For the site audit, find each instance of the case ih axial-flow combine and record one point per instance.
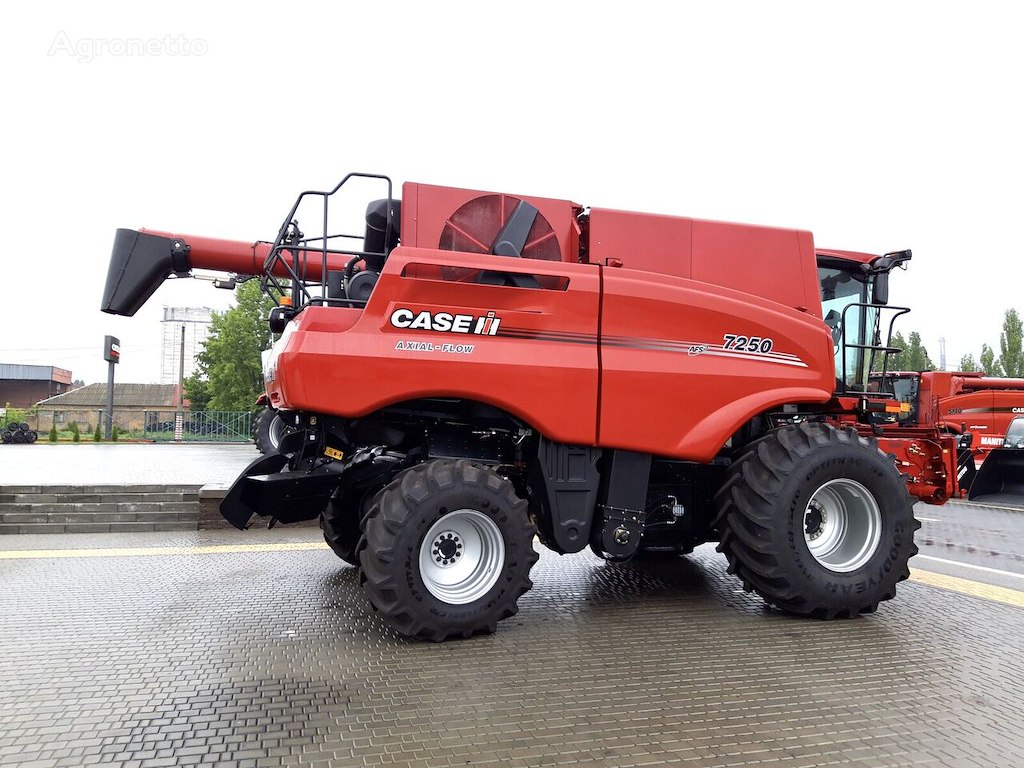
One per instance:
(482, 368)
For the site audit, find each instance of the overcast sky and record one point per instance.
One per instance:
(877, 125)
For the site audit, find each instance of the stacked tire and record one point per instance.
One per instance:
(18, 434)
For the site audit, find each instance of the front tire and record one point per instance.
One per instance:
(817, 521)
(447, 551)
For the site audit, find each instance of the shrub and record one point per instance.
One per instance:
(53, 433)
(97, 436)
(76, 436)
(114, 434)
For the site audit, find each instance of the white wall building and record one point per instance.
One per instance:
(196, 324)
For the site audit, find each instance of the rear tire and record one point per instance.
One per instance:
(340, 523)
(817, 521)
(268, 431)
(447, 551)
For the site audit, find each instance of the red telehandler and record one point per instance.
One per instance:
(477, 369)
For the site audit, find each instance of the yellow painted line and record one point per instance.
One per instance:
(42, 554)
(966, 587)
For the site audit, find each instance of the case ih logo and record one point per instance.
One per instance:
(445, 322)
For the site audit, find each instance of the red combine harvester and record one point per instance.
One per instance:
(481, 368)
(977, 407)
(962, 402)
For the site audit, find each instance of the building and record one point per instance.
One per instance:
(21, 386)
(194, 322)
(134, 405)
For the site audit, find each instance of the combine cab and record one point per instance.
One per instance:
(476, 368)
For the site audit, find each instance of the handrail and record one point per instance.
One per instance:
(291, 249)
(885, 349)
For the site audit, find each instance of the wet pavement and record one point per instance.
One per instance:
(258, 649)
(973, 540)
(99, 464)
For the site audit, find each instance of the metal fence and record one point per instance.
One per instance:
(205, 426)
(140, 424)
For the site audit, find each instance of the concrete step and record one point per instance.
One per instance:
(98, 508)
(7, 529)
(8, 492)
(92, 497)
(74, 507)
(65, 515)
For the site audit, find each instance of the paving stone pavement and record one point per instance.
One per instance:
(974, 533)
(273, 658)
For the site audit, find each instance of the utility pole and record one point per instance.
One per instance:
(179, 417)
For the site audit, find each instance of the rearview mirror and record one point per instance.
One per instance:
(880, 291)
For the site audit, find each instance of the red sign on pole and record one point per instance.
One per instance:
(111, 349)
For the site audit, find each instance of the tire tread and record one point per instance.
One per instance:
(396, 506)
(749, 503)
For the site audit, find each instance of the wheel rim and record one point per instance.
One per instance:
(461, 557)
(842, 525)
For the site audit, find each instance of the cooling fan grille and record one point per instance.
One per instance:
(474, 227)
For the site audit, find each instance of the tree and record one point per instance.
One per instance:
(917, 355)
(912, 356)
(898, 357)
(988, 361)
(1011, 354)
(894, 360)
(230, 364)
(967, 363)
(197, 390)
